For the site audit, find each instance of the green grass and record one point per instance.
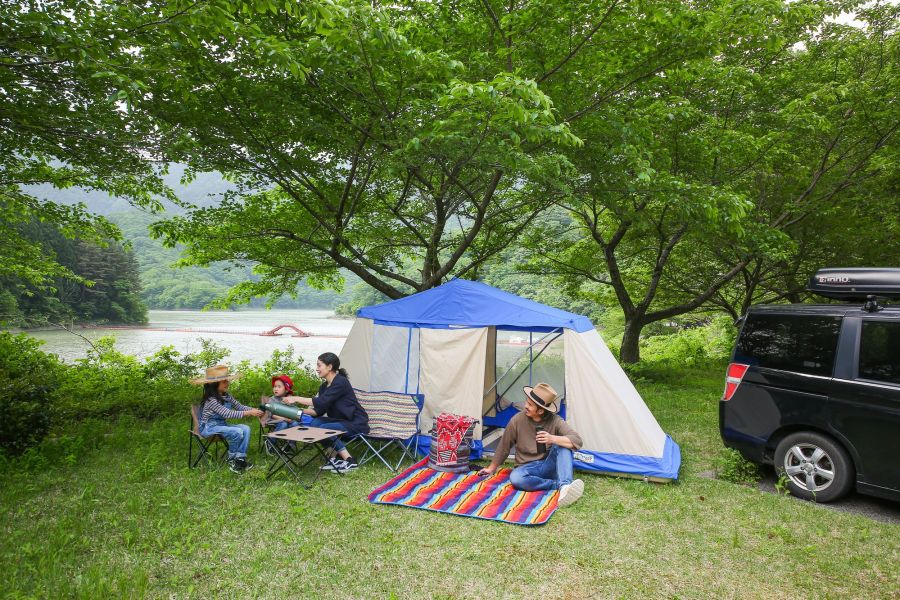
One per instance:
(119, 515)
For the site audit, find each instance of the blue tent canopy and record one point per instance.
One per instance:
(463, 303)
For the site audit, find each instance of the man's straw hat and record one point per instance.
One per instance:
(543, 395)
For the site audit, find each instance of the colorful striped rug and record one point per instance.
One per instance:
(467, 495)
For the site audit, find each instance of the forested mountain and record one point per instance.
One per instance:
(105, 289)
(205, 190)
(165, 286)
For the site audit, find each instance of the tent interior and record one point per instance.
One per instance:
(470, 348)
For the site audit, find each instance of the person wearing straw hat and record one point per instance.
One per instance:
(544, 443)
(218, 405)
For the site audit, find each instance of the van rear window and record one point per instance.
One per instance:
(879, 351)
(802, 343)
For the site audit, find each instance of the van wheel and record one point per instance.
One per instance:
(816, 467)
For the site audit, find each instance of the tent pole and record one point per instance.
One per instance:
(530, 359)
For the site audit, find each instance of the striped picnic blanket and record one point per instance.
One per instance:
(467, 495)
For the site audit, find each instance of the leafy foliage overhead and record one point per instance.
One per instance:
(64, 122)
(357, 142)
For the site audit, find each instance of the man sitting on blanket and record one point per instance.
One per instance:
(544, 444)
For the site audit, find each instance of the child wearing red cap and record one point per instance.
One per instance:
(282, 386)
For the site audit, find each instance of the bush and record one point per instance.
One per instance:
(256, 380)
(104, 384)
(169, 364)
(27, 378)
(692, 347)
(108, 383)
(37, 391)
(732, 466)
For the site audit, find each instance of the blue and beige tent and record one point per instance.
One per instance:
(466, 346)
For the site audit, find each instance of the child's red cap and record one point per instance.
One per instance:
(288, 383)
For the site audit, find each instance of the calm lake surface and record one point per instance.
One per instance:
(236, 330)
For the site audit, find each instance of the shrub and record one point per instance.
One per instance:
(27, 376)
(692, 347)
(108, 383)
(169, 363)
(256, 380)
(37, 391)
(732, 466)
(105, 383)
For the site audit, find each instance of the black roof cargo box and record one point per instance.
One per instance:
(856, 283)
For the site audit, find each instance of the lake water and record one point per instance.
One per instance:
(236, 330)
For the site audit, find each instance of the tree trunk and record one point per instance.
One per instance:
(630, 351)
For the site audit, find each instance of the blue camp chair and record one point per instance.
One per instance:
(393, 422)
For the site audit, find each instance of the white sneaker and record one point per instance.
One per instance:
(340, 466)
(570, 492)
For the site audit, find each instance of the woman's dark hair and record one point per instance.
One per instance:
(331, 359)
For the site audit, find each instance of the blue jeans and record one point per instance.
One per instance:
(551, 473)
(338, 445)
(237, 436)
(286, 424)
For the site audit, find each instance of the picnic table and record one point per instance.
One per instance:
(309, 445)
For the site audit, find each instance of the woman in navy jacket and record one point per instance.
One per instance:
(335, 407)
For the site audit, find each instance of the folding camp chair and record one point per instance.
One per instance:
(393, 422)
(266, 427)
(213, 448)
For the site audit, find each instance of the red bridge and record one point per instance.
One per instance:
(298, 332)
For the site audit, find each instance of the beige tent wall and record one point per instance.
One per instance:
(602, 403)
(452, 372)
(389, 349)
(412, 381)
(356, 355)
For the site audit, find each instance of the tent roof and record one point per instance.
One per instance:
(463, 303)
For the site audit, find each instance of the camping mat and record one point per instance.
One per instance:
(467, 495)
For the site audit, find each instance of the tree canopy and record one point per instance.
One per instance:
(664, 157)
(63, 122)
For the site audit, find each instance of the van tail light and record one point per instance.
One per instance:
(733, 377)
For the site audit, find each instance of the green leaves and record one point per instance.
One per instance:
(412, 142)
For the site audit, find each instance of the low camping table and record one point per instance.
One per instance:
(308, 440)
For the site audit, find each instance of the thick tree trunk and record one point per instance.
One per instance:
(630, 351)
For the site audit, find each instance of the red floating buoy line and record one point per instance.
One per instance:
(274, 332)
(298, 332)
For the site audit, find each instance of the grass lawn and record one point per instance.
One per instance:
(119, 514)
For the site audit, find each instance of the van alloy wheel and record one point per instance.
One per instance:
(809, 467)
(815, 465)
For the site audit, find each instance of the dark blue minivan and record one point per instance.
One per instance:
(815, 389)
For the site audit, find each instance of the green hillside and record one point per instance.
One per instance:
(165, 286)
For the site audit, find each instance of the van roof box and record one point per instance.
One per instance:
(856, 283)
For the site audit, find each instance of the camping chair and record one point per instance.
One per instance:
(393, 422)
(264, 428)
(213, 448)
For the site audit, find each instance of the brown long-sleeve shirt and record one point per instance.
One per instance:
(521, 431)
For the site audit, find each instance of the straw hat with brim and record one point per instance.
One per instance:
(214, 374)
(543, 395)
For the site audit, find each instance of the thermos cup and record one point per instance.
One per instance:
(282, 410)
(541, 448)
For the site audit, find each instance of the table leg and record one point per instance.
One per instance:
(278, 464)
(285, 460)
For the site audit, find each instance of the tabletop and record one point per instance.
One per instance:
(304, 434)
